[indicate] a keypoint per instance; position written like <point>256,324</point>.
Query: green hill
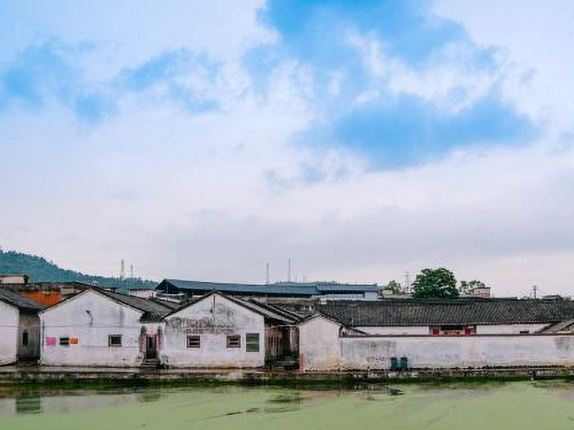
<point>41,270</point>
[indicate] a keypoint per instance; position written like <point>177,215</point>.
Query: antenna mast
<point>289,270</point>
<point>123,270</point>
<point>267,274</point>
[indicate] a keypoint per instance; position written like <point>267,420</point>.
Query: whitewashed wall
<point>509,328</point>
<point>323,349</point>
<point>9,316</point>
<point>464,351</point>
<point>480,329</point>
<point>213,319</point>
<point>419,330</point>
<point>106,317</point>
<point>319,345</point>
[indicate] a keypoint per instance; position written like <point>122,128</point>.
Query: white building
<point>19,328</point>
<point>438,333</point>
<point>221,331</point>
<point>14,279</point>
<point>101,328</point>
<point>143,292</point>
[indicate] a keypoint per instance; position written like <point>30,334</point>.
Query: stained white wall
<point>418,330</point>
<point>212,318</point>
<point>9,316</point>
<point>480,329</point>
<point>323,349</point>
<point>464,351</point>
<point>319,343</point>
<point>509,328</point>
<point>106,317</point>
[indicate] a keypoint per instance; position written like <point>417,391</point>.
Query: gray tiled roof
<point>17,300</point>
<point>411,312</point>
<point>267,312</point>
<point>153,310</point>
<point>166,303</point>
<point>281,289</point>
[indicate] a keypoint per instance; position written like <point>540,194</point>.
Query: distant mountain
<point>41,270</point>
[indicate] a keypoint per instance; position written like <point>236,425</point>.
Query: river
<point>492,406</point>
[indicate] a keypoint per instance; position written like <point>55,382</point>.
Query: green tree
<point>435,283</point>
<point>467,287</point>
<point>394,287</point>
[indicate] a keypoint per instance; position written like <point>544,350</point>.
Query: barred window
<point>193,342</point>
<point>234,341</point>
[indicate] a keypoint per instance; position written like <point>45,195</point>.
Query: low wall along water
<point>460,351</point>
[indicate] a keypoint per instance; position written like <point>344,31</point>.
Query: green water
<point>524,405</point>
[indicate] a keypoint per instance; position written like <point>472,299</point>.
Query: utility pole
<point>407,282</point>
<point>289,270</point>
<point>534,291</point>
<point>123,270</point>
<point>267,274</point>
<point>132,271</point>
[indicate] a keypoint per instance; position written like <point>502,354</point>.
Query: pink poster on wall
<point>50,341</point>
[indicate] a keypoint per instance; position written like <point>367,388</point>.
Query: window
<point>252,342</point>
<point>234,341</point>
<point>453,330</point>
<point>25,338</point>
<point>524,331</point>
<point>115,340</point>
<point>193,342</point>
<point>65,341</point>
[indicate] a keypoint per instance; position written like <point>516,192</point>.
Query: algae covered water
<point>522,405</point>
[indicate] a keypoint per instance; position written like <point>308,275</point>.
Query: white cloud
<point>219,194</point>
<point>536,38</point>
<point>451,81</point>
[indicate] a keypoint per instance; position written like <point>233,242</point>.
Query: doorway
<point>151,348</point>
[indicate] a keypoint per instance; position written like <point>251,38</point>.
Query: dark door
<point>151,347</point>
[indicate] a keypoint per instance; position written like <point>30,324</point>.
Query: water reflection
<point>521,406</point>
<point>29,403</point>
<point>37,401</point>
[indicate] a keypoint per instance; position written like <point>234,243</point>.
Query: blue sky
<point>177,136</point>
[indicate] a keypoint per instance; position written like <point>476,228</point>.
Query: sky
<point>361,139</point>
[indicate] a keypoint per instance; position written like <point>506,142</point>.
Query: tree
<point>467,287</point>
<point>435,283</point>
<point>394,287</point>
